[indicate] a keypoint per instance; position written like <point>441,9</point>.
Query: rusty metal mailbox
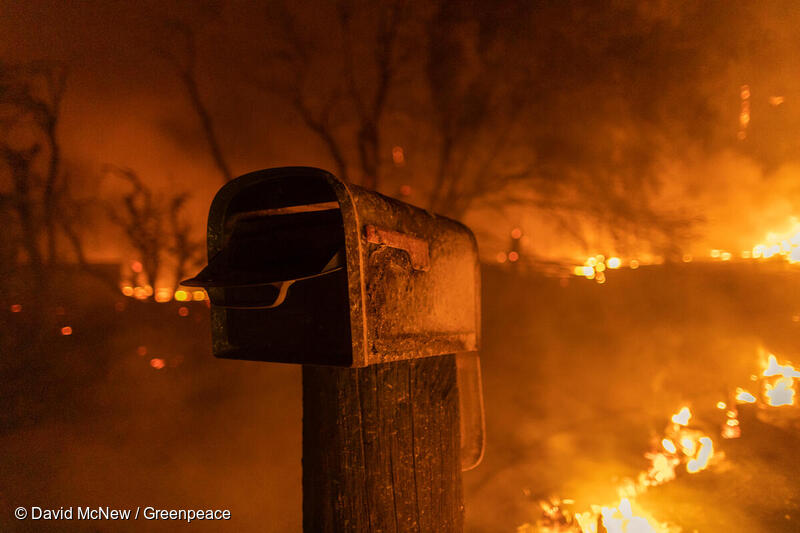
<point>305,268</point>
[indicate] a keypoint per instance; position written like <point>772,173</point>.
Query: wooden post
<point>381,448</point>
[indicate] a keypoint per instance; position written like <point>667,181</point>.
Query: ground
<point>580,382</point>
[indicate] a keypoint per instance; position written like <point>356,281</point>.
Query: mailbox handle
<point>416,248</point>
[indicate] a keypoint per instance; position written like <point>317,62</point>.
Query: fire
<point>682,417</point>
<point>703,456</point>
<point>163,295</point>
<point>181,295</point>
<point>680,444</point>
<point>595,267</point>
<point>781,393</point>
<point>774,369</point>
<point>662,466</point>
<point>742,396</point>
<point>622,518</point>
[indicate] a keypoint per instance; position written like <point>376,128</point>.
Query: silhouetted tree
<point>340,82</point>
<point>36,188</point>
<point>181,54</point>
<point>154,226</point>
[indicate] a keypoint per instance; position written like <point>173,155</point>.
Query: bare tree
<point>23,202</point>
<point>155,227</point>
<point>340,85</point>
<point>31,98</point>
<point>185,251</point>
<point>182,57</point>
<point>141,217</point>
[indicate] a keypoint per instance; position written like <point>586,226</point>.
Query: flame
<point>669,445</point>
<point>781,393</point>
<point>742,396</point>
<point>682,417</point>
<point>774,369</point>
<point>703,456</point>
<point>680,444</point>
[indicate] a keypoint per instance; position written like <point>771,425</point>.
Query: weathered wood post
<point>381,448</point>
<point>373,297</point>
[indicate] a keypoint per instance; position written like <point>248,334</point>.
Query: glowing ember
<point>513,257</point>
<point>398,155</point>
<point>183,311</point>
<point>127,290</point>
<point>682,417</point>
<point>136,266</point>
<point>16,308</point>
<point>163,295</point>
<point>66,330</point>
<point>501,257</point>
<point>156,363</point>
<point>181,295</point>
<point>721,405</point>
<point>614,262</point>
<point>141,350</point>
<point>516,233</point>
<point>744,113</point>
<point>198,296</point>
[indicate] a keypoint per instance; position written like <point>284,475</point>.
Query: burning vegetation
<point>683,444</point>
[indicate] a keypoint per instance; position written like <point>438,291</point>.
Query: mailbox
<point>305,268</point>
